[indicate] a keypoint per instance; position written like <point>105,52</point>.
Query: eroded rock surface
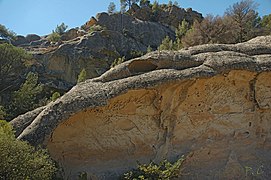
<point>96,44</point>
<point>211,103</point>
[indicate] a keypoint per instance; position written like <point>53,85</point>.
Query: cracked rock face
<point>211,103</point>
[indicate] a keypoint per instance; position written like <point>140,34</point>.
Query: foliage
<point>176,3</point>
<point>266,21</point>
<point>56,34</point>
<point>12,63</point>
<point>180,33</point>
<point>144,3</point>
<point>170,3</point>
<point>149,49</point>
<point>155,6</point>
<point>244,19</point>
<point>54,37</point>
<point>95,28</point>
<point>26,97</point>
<point>60,29</point>
<point>111,8</point>
<point>6,34</point>
<point>135,54</point>
<point>125,3</point>
<point>163,171</point>
<point>55,96</point>
<point>167,44</point>
<point>2,112</point>
<point>118,61</point>
<point>266,24</point>
<point>19,160</point>
<point>82,76</point>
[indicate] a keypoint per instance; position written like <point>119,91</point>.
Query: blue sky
<point>41,16</point>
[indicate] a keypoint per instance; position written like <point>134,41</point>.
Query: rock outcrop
<point>168,15</point>
<point>211,103</point>
<point>99,42</point>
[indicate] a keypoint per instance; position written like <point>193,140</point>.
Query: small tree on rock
<point>144,3</point>
<point>82,76</point>
<point>125,3</point>
<point>55,96</point>
<point>12,61</point>
<point>25,99</point>
<point>60,29</point>
<point>266,24</point>
<point>167,44</point>
<point>180,33</point>
<point>6,34</point>
<point>111,8</point>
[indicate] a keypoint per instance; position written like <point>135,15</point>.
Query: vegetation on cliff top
<point>240,23</point>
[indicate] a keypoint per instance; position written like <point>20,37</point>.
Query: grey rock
<point>22,121</point>
<point>212,101</point>
<point>32,37</point>
<point>147,71</point>
<point>20,40</point>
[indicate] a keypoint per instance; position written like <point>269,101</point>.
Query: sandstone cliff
<point>211,103</point>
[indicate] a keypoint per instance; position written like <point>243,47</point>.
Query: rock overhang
<point>237,75</point>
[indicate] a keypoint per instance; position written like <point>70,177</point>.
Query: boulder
<point>211,103</point>
<point>145,32</point>
<point>32,37</point>
<point>19,40</point>
<point>72,34</point>
<point>92,21</point>
<point>168,15</point>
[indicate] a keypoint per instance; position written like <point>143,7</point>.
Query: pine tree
<point>125,3</point>
<point>176,3</point>
<point>244,19</point>
<point>111,8</point>
<point>167,44</point>
<point>144,3</point>
<point>25,98</point>
<point>180,33</point>
<point>60,29</point>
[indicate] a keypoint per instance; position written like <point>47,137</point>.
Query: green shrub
<point>163,171</point>
<point>149,49</point>
<point>26,98</point>
<point>55,96</point>
<point>2,112</point>
<point>19,160</point>
<point>95,28</point>
<point>167,44</point>
<point>117,61</point>
<point>54,37</point>
<point>12,61</point>
<point>82,76</point>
